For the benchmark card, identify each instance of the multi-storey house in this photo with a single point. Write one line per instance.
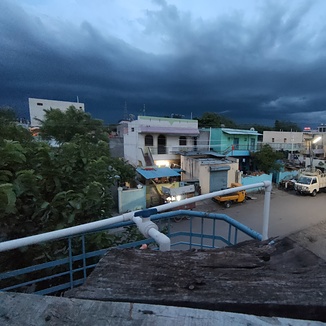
(159, 141)
(237, 143)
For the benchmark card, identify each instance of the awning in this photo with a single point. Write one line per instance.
(152, 172)
(219, 168)
(241, 132)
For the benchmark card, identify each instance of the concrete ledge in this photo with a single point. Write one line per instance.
(28, 309)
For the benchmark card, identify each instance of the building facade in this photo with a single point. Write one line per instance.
(284, 140)
(237, 143)
(37, 107)
(212, 173)
(159, 141)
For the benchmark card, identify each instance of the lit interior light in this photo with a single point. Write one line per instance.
(162, 163)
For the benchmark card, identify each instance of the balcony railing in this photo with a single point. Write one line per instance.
(227, 148)
(76, 257)
(296, 147)
(174, 150)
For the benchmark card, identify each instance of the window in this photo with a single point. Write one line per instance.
(273, 140)
(148, 140)
(132, 129)
(284, 140)
(182, 141)
(40, 104)
(161, 144)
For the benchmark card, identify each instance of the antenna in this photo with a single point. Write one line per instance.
(125, 112)
(77, 99)
(144, 110)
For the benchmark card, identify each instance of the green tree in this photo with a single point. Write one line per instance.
(212, 119)
(266, 159)
(9, 128)
(7, 114)
(63, 126)
(259, 128)
(44, 188)
(286, 126)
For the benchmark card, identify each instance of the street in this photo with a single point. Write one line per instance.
(289, 213)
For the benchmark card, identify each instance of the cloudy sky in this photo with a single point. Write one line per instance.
(253, 61)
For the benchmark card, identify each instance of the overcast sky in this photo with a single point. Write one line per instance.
(253, 61)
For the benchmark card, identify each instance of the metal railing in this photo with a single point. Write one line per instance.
(76, 256)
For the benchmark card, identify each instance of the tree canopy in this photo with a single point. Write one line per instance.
(212, 119)
(7, 114)
(44, 188)
(286, 126)
(266, 159)
(63, 126)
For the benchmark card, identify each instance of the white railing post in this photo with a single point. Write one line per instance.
(267, 204)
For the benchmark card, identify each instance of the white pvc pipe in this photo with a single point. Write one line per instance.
(17, 243)
(150, 230)
(161, 239)
(89, 227)
(267, 204)
(176, 204)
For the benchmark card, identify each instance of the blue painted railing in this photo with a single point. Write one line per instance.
(201, 230)
(75, 255)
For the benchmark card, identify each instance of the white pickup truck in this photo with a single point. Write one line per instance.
(310, 182)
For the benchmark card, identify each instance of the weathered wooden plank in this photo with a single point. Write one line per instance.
(18, 309)
(255, 277)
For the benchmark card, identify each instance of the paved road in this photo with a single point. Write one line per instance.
(289, 213)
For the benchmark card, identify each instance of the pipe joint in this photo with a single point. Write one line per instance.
(267, 185)
(144, 225)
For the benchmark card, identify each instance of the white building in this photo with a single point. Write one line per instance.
(159, 141)
(213, 173)
(284, 140)
(37, 107)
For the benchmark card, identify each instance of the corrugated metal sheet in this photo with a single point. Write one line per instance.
(240, 132)
(152, 173)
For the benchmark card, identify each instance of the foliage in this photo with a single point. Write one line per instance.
(44, 188)
(7, 114)
(9, 128)
(126, 171)
(212, 119)
(266, 159)
(63, 126)
(286, 126)
(259, 128)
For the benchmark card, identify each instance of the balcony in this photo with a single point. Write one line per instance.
(170, 150)
(294, 147)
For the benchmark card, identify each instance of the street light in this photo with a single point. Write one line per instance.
(314, 140)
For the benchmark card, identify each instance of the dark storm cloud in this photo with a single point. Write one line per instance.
(272, 67)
